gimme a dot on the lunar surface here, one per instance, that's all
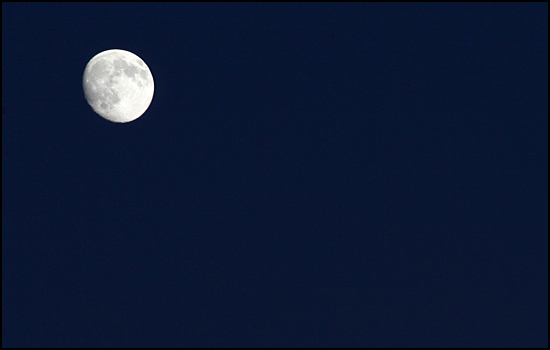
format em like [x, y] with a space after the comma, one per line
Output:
[118, 85]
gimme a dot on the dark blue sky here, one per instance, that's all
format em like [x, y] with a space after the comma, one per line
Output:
[307, 175]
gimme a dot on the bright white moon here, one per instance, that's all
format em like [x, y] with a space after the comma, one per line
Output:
[118, 85]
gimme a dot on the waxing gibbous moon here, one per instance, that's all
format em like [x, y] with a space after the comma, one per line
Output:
[118, 85]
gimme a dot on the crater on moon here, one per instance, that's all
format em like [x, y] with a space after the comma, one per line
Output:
[118, 85]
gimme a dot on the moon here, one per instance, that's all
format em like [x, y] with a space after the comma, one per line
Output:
[118, 85]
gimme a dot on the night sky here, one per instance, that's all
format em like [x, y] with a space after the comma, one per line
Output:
[307, 175]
